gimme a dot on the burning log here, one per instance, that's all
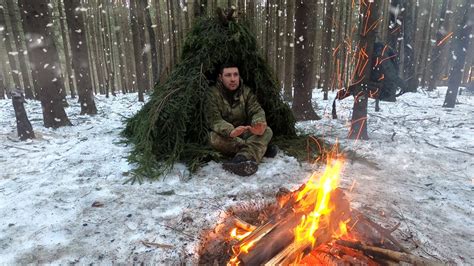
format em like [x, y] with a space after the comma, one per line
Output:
[244, 225]
[274, 242]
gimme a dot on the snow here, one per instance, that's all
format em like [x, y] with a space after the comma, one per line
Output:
[416, 170]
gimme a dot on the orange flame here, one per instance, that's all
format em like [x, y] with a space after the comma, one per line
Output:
[234, 234]
[317, 191]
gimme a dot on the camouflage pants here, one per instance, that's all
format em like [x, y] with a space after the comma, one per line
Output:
[248, 145]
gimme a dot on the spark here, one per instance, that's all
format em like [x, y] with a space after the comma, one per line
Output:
[444, 39]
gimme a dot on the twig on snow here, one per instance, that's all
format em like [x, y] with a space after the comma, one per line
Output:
[191, 237]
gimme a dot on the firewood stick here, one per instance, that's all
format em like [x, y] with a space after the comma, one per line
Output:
[389, 254]
[384, 232]
[244, 225]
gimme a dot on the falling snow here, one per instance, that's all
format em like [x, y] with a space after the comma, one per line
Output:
[414, 170]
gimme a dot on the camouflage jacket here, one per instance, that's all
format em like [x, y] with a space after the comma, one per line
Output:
[227, 110]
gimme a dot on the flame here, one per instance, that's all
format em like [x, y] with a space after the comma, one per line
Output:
[317, 191]
[316, 196]
[239, 237]
[342, 230]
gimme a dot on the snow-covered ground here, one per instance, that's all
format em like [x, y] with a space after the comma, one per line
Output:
[62, 197]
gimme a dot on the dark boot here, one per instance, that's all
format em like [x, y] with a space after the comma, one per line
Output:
[272, 151]
[240, 165]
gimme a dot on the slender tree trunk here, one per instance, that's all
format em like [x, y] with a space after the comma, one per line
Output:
[409, 61]
[11, 50]
[23, 125]
[2, 86]
[20, 44]
[113, 50]
[128, 46]
[304, 38]
[154, 55]
[4, 69]
[44, 59]
[138, 49]
[80, 56]
[394, 27]
[200, 8]
[326, 49]
[161, 49]
[267, 28]
[425, 59]
[117, 16]
[289, 50]
[64, 33]
[250, 14]
[99, 46]
[460, 44]
[436, 53]
[174, 44]
[279, 48]
[369, 15]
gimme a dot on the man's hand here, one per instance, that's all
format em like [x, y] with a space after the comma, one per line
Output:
[238, 131]
[258, 129]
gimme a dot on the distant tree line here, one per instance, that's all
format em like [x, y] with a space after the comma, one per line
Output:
[53, 48]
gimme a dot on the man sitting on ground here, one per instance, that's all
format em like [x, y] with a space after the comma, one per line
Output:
[237, 123]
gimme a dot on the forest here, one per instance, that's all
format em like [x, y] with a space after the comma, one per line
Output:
[107, 47]
[103, 142]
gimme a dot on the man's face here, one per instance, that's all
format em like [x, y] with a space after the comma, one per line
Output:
[230, 78]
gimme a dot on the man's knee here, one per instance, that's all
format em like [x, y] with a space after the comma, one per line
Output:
[225, 145]
[268, 134]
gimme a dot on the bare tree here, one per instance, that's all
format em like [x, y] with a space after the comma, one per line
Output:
[435, 68]
[45, 61]
[304, 39]
[64, 33]
[461, 43]
[12, 8]
[138, 45]
[289, 50]
[409, 60]
[80, 56]
[368, 23]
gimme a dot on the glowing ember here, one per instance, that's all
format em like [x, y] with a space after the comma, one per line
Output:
[234, 234]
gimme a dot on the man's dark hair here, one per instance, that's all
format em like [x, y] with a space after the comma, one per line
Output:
[227, 65]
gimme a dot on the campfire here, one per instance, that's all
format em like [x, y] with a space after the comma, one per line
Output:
[313, 225]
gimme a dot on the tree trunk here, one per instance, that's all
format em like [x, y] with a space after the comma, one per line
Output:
[161, 49]
[138, 49]
[369, 15]
[23, 125]
[394, 27]
[289, 51]
[172, 21]
[304, 39]
[64, 33]
[200, 8]
[460, 44]
[20, 45]
[425, 51]
[44, 59]
[117, 17]
[80, 56]
[326, 49]
[11, 49]
[409, 46]
[436, 53]
[113, 49]
[154, 55]
[2, 86]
